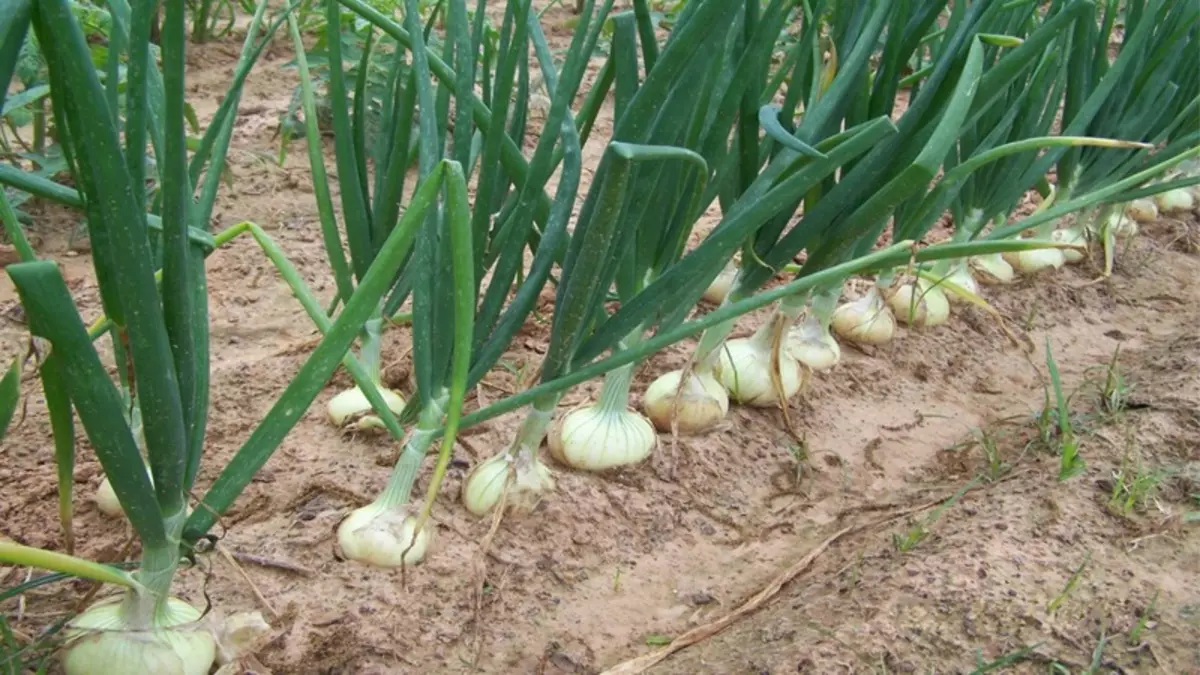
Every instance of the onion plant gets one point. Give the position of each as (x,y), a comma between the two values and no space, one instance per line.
(1150,92)
(455,324)
(839,212)
(163,331)
(669,138)
(985,175)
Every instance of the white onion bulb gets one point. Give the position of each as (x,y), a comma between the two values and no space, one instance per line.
(106,500)
(351,409)
(1071,235)
(485,484)
(811,344)
(595,439)
(992,268)
(865,321)
(378,535)
(703,402)
(960,275)
(103,643)
(745,370)
(1179,200)
(719,288)
(923,304)
(1121,226)
(109,505)
(1142,210)
(1036,260)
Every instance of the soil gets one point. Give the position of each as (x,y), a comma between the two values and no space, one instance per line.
(611,568)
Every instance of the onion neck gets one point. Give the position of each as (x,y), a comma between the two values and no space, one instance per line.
(404,474)
(614,395)
(886,279)
(533,428)
(709,349)
(1062,193)
(825,303)
(371,349)
(964,233)
(146,608)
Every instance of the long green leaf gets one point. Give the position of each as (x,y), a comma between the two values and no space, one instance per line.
(52,316)
(104,172)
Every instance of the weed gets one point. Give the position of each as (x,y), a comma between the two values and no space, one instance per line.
(1114,395)
(17,658)
(1098,654)
(1010,659)
(1059,599)
(1113,390)
(1143,622)
(1070,463)
(1133,486)
(919,530)
(799,455)
(996,466)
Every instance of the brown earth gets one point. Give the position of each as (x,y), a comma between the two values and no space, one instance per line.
(607,569)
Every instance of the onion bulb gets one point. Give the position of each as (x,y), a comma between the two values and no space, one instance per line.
(595,439)
(106,500)
(378,535)
(1035,260)
(745,369)
(1178,200)
(702,404)
(865,321)
(109,505)
(1071,235)
(992,268)
(351,409)
(922,304)
(960,275)
(1122,226)
(719,288)
(810,343)
(104,643)
(1142,210)
(526,477)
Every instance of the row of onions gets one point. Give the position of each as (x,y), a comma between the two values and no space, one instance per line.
(707,117)
(994,161)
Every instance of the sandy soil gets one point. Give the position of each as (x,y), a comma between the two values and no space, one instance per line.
(609,569)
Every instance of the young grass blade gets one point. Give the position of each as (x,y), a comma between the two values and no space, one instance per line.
(52,315)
